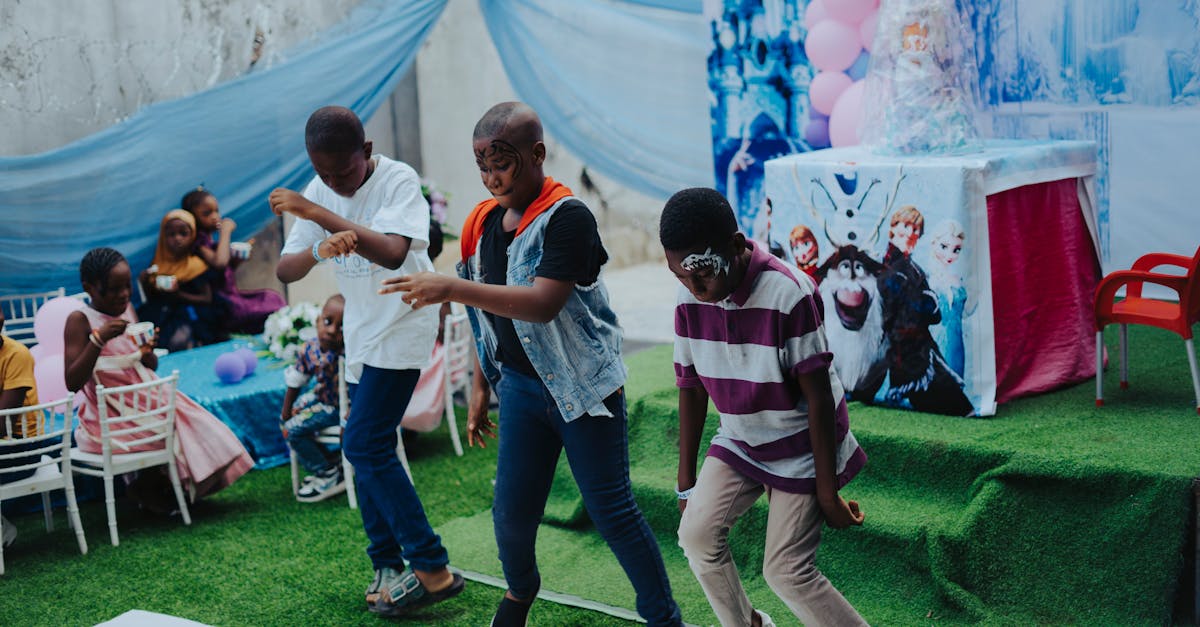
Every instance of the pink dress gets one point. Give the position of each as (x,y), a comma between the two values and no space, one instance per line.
(208,454)
(428,401)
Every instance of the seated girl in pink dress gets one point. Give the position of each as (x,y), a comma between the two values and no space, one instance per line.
(245,310)
(97,351)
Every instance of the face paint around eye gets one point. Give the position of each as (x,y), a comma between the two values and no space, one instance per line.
(708,259)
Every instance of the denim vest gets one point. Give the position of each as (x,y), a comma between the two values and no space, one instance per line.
(577,355)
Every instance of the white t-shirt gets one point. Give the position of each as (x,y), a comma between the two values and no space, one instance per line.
(379,330)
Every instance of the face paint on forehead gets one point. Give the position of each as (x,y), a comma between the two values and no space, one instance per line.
(708,259)
(502,149)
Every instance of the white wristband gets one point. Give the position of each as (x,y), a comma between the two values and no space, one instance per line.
(684,494)
(316,252)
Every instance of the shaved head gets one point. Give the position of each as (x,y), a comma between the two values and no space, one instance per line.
(510,152)
(513,122)
(334,130)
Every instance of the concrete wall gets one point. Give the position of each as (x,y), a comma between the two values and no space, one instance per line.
(460,76)
(69,68)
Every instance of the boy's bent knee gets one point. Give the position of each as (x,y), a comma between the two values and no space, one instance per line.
(782,575)
(698,539)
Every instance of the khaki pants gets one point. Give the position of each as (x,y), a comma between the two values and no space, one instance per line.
(794,523)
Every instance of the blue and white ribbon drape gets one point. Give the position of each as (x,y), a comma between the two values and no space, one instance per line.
(621,84)
(112,188)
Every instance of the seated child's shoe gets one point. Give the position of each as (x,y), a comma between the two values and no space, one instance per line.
(766,620)
(10,531)
(408,593)
(325,484)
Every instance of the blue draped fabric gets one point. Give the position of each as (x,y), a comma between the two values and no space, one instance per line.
(687,6)
(113,187)
(622,86)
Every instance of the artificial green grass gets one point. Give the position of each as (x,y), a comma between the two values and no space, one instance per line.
(1052,512)
(252,556)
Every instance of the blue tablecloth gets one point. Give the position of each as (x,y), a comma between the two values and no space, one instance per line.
(250,407)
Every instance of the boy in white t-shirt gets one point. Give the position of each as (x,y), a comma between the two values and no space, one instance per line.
(366,215)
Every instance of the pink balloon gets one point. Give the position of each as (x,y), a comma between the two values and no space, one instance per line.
(832,46)
(825,89)
(51,319)
(866,30)
(814,13)
(50,375)
(846,119)
(849,12)
(39,352)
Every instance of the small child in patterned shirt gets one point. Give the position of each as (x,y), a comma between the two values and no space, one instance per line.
(305,415)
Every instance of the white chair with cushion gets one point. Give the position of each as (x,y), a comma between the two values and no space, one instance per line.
(20,310)
(47,454)
(151,405)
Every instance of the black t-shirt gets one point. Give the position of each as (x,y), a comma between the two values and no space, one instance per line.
(572,251)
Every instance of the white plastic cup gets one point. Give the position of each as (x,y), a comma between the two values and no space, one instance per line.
(240,250)
(142,332)
(165,282)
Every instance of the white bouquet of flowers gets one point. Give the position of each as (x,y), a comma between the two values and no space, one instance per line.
(286,330)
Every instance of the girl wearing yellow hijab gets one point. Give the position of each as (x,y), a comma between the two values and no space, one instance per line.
(179,296)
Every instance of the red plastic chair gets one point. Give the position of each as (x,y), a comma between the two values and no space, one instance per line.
(1177,317)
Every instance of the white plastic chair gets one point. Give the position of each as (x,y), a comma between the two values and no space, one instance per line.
(151,405)
(51,470)
(333,435)
(458,344)
(20,310)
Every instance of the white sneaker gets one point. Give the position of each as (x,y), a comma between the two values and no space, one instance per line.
(766,619)
(10,531)
(322,487)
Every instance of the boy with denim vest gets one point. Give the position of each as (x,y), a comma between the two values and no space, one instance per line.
(550,344)
(749,336)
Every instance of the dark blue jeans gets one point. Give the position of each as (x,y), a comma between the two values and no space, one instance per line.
(532,433)
(392,514)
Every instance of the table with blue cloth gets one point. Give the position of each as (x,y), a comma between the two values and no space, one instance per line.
(249,407)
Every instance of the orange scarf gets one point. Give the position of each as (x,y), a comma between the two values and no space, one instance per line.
(185,267)
(552,192)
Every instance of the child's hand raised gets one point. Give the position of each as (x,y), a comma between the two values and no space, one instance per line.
(112,328)
(338,244)
(287,201)
(420,289)
(228,225)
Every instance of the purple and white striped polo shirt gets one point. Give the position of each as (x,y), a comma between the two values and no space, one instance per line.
(746,351)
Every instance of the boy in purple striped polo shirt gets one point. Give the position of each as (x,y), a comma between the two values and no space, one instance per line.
(749,336)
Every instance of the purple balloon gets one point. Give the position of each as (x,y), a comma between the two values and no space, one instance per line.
(249,357)
(816,133)
(858,69)
(230,368)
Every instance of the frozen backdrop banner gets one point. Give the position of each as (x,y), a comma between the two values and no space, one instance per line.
(786,77)
(1122,73)
(887,242)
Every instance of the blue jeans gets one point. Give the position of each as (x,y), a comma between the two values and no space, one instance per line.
(302,430)
(532,434)
(392,514)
